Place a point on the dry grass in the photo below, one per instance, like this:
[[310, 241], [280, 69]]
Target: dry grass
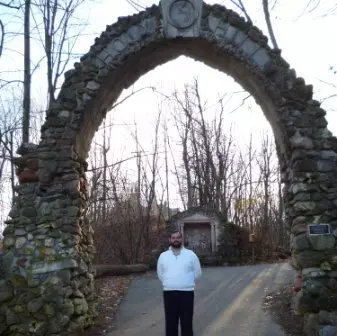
[[110, 291], [278, 304]]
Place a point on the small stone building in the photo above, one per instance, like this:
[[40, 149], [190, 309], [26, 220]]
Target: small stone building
[[200, 229], [207, 233]]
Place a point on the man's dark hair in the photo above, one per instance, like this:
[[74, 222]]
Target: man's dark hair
[[175, 231]]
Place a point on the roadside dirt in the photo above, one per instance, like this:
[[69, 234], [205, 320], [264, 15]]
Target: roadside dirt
[[110, 291], [278, 304]]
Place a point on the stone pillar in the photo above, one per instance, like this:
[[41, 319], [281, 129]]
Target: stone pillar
[[311, 198], [213, 237], [21, 238], [181, 228], [48, 252]]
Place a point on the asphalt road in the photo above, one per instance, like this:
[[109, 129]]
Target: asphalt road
[[227, 302]]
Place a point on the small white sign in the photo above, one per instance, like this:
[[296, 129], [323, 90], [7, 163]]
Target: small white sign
[[319, 229]]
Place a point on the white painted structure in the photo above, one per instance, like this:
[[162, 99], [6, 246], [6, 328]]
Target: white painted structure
[[200, 230]]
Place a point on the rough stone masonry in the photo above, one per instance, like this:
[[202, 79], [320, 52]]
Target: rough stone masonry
[[47, 287]]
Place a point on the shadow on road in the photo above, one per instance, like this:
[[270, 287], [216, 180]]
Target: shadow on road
[[227, 302]]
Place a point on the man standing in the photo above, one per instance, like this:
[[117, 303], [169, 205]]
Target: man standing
[[178, 268]]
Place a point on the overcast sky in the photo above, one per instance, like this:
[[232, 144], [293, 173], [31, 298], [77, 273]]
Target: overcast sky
[[307, 41]]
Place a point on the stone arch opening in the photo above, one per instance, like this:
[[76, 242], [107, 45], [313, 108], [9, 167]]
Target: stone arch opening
[[48, 242]]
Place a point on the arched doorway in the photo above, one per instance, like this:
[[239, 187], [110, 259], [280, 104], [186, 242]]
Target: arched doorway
[[48, 241]]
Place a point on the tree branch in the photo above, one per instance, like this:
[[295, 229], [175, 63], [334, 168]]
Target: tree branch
[[136, 5], [9, 5], [2, 37], [242, 8], [268, 22], [4, 83]]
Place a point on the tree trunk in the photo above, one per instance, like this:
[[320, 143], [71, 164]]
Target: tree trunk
[[269, 25], [27, 75], [12, 166], [104, 186], [109, 270]]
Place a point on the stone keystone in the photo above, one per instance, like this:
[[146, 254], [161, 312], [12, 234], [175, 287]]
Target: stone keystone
[[181, 17]]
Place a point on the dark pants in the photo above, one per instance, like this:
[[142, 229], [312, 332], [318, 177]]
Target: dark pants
[[178, 305]]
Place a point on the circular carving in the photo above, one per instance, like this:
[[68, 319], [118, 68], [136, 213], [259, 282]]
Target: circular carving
[[183, 14]]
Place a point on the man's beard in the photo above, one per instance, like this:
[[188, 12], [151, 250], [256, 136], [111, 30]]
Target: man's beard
[[176, 244]]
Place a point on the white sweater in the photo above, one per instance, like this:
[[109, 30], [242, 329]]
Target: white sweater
[[178, 272]]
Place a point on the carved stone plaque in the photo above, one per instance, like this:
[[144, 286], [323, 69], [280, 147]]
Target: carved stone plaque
[[181, 17], [183, 14], [319, 229]]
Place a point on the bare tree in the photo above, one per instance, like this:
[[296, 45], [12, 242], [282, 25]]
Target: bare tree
[[61, 29], [10, 138], [239, 4], [269, 23], [135, 5], [183, 124], [132, 209], [240, 184], [2, 37], [323, 8], [12, 4], [250, 179], [206, 150], [27, 74]]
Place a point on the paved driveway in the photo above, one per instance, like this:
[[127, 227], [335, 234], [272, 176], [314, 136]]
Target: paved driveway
[[227, 302]]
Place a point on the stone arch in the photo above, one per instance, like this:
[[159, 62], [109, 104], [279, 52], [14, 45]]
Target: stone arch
[[48, 285]]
